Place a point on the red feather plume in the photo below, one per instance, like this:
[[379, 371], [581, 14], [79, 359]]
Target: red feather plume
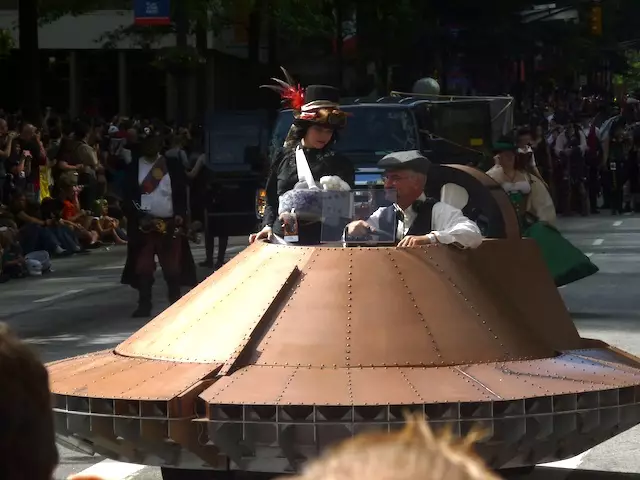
[[293, 95]]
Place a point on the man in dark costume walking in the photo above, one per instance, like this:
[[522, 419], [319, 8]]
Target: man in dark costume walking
[[155, 205]]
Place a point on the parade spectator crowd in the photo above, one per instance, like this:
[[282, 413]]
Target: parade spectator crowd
[[586, 150], [61, 185]]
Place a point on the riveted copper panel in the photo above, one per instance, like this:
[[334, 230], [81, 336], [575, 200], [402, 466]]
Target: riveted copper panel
[[516, 380], [454, 294], [167, 382], [515, 274], [262, 385], [390, 324], [245, 346], [367, 306], [609, 354], [78, 384], [386, 307], [259, 386], [325, 386], [69, 367], [413, 385], [566, 374], [312, 327], [219, 315], [107, 375]]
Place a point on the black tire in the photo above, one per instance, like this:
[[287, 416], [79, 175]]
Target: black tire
[[519, 471], [183, 474]]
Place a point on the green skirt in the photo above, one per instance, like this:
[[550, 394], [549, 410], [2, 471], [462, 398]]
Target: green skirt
[[566, 263]]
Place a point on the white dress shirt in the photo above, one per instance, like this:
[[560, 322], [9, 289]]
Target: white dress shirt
[[587, 132], [448, 223], [562, 142], [529, 150], [158, 203]]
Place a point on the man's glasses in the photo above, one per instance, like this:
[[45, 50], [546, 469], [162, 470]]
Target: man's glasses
[[393, 178]]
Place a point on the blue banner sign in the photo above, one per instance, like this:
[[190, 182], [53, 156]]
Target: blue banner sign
[[152, 12]]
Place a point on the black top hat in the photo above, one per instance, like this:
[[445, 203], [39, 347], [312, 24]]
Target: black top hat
[[321, 93], [317, 104], [321, 107]]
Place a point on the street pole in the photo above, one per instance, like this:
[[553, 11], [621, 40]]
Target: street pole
[[181, 75], [30, 60]]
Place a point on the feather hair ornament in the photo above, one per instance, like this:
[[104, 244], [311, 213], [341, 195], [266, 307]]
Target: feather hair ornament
[[288, 91]]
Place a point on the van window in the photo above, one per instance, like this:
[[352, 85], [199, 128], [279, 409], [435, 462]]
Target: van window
[[372, 129]]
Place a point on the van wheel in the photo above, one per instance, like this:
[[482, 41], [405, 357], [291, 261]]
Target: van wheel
[[519, 471]]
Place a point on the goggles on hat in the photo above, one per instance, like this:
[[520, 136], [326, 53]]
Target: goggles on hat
[[332, 117]]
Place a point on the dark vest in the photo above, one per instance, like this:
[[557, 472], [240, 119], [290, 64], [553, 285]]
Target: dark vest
[[422, 225]]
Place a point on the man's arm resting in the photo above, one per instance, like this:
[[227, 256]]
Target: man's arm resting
[[452, 227]]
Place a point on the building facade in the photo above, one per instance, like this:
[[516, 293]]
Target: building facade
[[80, 75]]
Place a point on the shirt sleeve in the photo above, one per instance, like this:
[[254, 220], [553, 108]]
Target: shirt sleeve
[[374, 220], [583, 143], [68, 210], [271, 188], [560, 143], [451, 226], [184, 160]]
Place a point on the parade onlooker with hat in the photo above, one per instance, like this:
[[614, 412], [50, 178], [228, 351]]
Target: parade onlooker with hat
[[536, 213], [156, 208]]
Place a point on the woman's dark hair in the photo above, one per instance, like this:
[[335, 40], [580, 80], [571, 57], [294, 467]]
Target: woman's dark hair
[[81, 130], [55, 133], [298, 130], [27, 437], [543, 123], [16, 195], [521, 161], [65, 149]]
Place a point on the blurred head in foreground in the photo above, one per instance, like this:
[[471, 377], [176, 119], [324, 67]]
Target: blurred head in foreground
[[27, 439], [414, 452]]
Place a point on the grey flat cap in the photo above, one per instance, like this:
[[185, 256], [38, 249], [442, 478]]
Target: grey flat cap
[[407, 160]]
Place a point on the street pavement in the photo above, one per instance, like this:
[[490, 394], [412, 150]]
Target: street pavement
[[81, 307]]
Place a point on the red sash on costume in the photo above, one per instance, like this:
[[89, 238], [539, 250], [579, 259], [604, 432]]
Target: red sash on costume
[[155, 175], [592, 139]]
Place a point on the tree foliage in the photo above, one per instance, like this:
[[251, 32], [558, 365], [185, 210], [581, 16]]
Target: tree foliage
[[51, 10], [6, 42], [402, 31]]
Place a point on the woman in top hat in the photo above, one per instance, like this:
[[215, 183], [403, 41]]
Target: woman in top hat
[[310, 140]]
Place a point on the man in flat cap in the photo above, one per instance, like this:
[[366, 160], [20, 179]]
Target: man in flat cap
[[420, 220]]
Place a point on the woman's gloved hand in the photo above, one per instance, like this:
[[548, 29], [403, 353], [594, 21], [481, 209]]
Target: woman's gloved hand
[[334, 183], [264, 234]]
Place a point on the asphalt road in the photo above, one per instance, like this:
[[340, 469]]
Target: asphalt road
[[81, 307]]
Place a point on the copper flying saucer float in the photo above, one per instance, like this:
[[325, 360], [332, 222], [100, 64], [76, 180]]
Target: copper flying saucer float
[[287, 349]]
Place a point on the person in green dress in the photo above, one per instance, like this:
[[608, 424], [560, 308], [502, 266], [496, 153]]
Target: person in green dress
[[536, 214]]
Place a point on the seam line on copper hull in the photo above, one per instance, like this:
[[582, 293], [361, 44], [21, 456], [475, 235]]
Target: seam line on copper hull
[[421, 318], [605, 363], [478, 382], [549, 376], [257, 329]]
